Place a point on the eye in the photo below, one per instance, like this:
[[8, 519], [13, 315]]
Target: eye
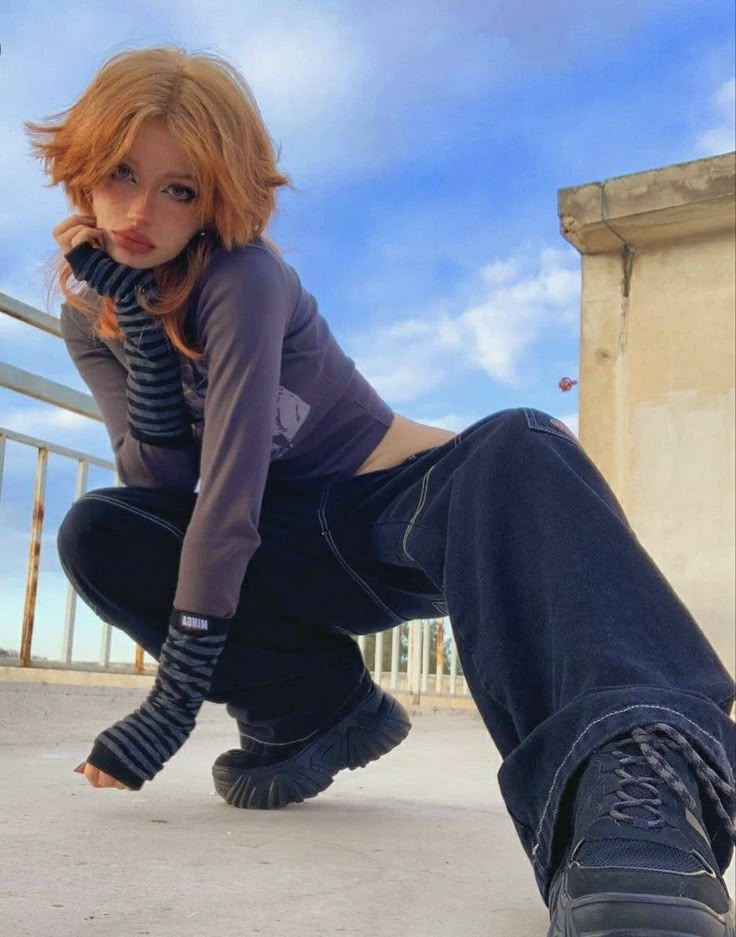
[[188, 194]]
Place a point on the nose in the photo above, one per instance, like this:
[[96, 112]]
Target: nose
[[139, 210]]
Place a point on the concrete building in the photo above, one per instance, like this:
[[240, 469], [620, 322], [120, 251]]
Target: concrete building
[[657, 379]]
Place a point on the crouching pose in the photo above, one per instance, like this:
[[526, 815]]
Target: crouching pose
[[321, 514]]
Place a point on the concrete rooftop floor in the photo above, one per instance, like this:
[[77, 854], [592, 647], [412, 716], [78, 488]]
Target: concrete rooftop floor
[[418, 844]]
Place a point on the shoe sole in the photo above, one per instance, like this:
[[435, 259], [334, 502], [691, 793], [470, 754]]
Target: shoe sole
[[618, 915], [371, 730]]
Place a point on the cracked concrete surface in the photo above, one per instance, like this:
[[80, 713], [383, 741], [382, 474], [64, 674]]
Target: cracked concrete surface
[[418, 844]]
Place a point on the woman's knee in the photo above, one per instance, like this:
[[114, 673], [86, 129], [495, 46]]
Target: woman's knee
[[520, 425], [541, 422], [79, 531]]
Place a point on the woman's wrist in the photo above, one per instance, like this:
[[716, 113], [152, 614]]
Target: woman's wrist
[[105, 275]]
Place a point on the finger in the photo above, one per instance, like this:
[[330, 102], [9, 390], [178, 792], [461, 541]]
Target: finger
[[90, 235], [104, 780], [92, 774], [65, 233], [71, 222]]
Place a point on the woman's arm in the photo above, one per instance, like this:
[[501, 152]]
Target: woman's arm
[[138, 463], [242, 313], [157, 412]]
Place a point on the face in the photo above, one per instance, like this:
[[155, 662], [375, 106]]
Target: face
[[149, 192]]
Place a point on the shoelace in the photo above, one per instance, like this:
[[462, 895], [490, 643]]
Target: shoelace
[[648, 742]]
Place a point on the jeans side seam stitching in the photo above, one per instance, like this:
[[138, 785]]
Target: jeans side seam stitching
[[420, 505], [394, 523], [589, 726], [343, 562], [127, 507], [304, 738]]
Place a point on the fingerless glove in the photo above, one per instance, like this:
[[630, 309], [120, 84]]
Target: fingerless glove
[[157, 410], [134, 749]]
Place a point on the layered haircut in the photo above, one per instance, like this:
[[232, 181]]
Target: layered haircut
[[210, 110]]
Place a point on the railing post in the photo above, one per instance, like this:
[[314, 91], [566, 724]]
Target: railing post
[[80, 487], [453, 666], [425, 655], [395, 655], [105, 643], [415, 660], [378, 659], [34, 558]]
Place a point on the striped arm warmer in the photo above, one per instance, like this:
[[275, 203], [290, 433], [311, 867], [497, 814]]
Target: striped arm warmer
[[134, 749], [157, 411]]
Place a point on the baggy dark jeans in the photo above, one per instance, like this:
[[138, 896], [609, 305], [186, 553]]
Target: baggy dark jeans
[[567, 631]]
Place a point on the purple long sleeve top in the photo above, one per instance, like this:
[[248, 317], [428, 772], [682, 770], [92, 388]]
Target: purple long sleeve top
[[273, 392]]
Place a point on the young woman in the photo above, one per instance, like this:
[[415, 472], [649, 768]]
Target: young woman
[[322, 514]]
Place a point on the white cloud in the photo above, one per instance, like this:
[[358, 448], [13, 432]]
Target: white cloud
[[521, 300], [500, 271], [399, 373], [58, 427], [455, 422], [721, 136], [350, 92], [33, 421]]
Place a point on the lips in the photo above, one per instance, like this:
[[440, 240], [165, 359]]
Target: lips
[[135, 238]]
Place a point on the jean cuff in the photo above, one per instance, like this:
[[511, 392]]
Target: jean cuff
[[554, 751]]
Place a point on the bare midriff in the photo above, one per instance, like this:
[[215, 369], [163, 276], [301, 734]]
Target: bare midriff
[[404, 438]]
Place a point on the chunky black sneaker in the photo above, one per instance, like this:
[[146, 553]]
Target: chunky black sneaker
[[640, 862], [264, 777]]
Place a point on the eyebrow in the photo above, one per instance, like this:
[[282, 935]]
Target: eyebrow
[[168, 175]]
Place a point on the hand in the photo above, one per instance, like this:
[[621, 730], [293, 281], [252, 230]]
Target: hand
[[77, 229], [98, 778]]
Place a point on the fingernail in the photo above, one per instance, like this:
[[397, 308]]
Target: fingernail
[[80, 768]]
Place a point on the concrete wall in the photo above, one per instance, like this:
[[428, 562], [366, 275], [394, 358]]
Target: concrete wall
[[657, 398]]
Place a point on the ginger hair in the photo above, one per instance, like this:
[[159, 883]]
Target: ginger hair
[[210, 110]]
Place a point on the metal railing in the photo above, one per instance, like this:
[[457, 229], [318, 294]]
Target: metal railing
[[419, 660]]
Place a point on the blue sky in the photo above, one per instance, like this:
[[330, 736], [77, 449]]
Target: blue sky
[[427, 142]]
